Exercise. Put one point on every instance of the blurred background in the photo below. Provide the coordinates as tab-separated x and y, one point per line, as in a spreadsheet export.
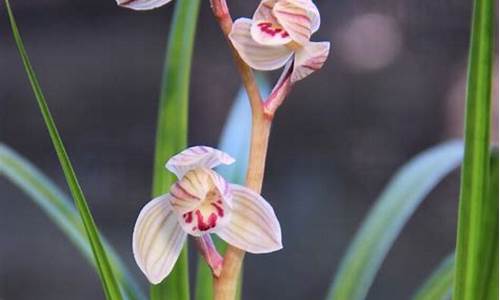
392	87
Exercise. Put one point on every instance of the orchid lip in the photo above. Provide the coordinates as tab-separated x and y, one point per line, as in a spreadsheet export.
201	205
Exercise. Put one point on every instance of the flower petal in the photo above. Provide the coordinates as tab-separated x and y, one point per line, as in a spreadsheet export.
224	189
158	239
142	4
300	18
264	11
253	226
197	157
257	56
309	59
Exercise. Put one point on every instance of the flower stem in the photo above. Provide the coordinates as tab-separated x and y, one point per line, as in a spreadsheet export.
221	13
261	128
225	287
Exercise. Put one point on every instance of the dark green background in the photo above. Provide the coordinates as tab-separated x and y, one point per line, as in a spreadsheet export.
334	145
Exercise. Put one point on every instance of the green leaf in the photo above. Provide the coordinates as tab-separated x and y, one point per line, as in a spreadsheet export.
440	283
235	140
476	233
108	280
482	249
171	132
489	242
406	190
62	212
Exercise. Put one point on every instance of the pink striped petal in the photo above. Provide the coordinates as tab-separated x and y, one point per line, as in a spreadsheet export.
186	197
257	56
202	200
253	226
300	18
197	157
312	12
224	188
157	240
265	11
309	59
142	4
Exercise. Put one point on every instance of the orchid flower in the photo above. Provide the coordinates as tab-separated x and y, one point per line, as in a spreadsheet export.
200	203
142	4
279	33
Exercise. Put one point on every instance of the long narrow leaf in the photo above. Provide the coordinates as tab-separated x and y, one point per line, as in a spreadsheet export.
171	134
486	280
490	240
487	268
440	283
62	212
108	280
235	140
475	204
406	190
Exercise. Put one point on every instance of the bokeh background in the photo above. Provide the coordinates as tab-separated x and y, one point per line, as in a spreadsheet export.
392	87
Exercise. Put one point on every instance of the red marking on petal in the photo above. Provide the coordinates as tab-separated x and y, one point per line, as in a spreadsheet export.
188	217
211	222
264	24
220	210
267	27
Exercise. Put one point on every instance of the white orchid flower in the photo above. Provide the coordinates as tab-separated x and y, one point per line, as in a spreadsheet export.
142	4
201	202
279	33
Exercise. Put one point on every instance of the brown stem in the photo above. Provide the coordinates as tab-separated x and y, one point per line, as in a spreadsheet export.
225	286
221	13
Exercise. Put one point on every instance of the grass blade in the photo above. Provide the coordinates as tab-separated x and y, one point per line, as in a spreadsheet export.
475	203
235	140
109	282
62	212
440	283
171	134
489	242
384	222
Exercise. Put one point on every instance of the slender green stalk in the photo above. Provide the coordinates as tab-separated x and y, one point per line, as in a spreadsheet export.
475	204
171	134
59	208
108	280
489	241
401	197
440	283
